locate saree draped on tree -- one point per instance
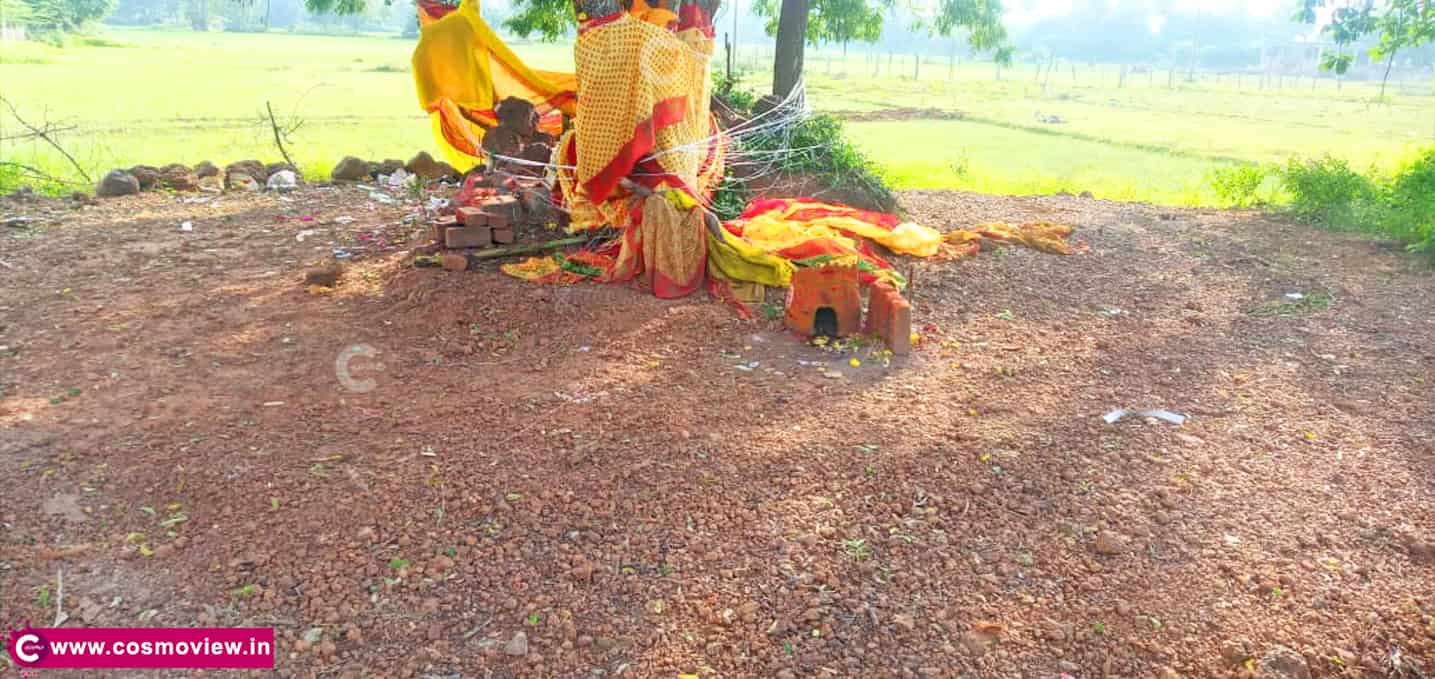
(643, 116)
(462, 70)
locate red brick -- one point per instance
(833, 287)
(472, 216)
(455, 262)
(879, 307)
(498, 220)
(503, 235)
(468, 237)
(899, 327)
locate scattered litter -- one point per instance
(399, 178)
(341, 253)
(283, 181)
(1164, 415)
(380, 198)
(303, 234)
(435, 203)
(1295, 296)
(273, 404)
(585, 349)
(186, 226)
(748, 367)
(344, 220)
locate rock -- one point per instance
(327, 276)
(240, 181)
(1068, 667)
(147, 175)
(423, 165)
(1233, 652)
(1283, 662)
(313, 635)
(274, 168)
(450, 172)
(389, 166)
(117, 183)
(517, 646)
(212, 184)
(1087, 194)
(904, 621)
(206, 169)
(283, 181)
(253, 168)
(518, 115)
(350, 169)
(502, 141)
(1420, 550)
(1109, 543)
(178, 178)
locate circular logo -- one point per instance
(346, 377)
(28, 648)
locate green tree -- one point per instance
(1396, 25)
(833, 21)
(65, 15)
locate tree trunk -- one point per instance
(791, 39)
(1388, 63)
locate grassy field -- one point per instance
(156, 97)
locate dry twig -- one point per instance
(45, 133)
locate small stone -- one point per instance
(147, 175)
(1164, 672)
(327, 276)
(1284, 663)
(117, 183)
(423, 165)
(905, 621)
(1233, 652)
(239, 181)
(283, 181)
(206, 169)
(1068, 667)
(313, 635)
(350, 169)
(1109, 543)
(517, 646)
(786, 674)
(178, 177)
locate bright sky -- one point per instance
(1026, 11)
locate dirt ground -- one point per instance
(646, 488)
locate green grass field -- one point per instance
(161, 97)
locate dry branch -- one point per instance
(44, 132)
(280, 134)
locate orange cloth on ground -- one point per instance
(462, 70)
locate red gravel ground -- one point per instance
(648, 488)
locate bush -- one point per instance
(1328, 193)
(1237, 185)
(1411, 202)
(815, 146)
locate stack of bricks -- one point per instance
(489, 223)
(889, 316)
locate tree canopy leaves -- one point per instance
(1397, 24)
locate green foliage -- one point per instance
(832, 21)
(1327, 192)
(550, 19)
(61, 16)
(1237, 185)
(816, 147)
(731, 92)
(1398, 205)
(1397, 24)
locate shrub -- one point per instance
(1400, 205)
(1237, 185)
(815, 146)
(1327, 192)
(1411, 202)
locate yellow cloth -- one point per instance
(772, 231)
(657, 16)
(462, 70)
(738, 260)
(631, 73)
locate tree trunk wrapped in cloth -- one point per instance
(643, 121)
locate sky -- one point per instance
(1021, 12)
